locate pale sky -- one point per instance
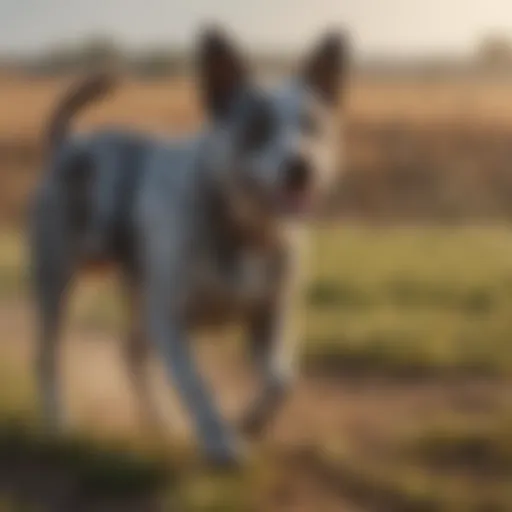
(378, 26)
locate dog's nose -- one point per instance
(298, 173)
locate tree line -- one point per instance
(99, 51)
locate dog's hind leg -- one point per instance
(136, 352)
(52, 266)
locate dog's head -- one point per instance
(281, 143)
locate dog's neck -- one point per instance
(233, 218)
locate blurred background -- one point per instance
(405, 397)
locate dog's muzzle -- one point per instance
(297, 175)
(296, 194)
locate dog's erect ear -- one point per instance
(325, 69)
(222, 71)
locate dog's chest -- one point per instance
(226, 289)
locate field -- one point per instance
(414, 149)
(404, 402)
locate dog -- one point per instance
(213, 222)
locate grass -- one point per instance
(13, 265)
(106, 469)
(38, 471)
(425, 302)
(398, 300)
(403, 487)
(482, 448)
(440, 468)
(427, 299)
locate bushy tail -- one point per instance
(92, 88)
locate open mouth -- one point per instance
(296, 195)
(296, 201)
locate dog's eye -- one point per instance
(258, 129)
(308, 124)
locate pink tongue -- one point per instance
(297, 202)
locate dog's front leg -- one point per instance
(273, 333)
(272, 343)
(165, 283)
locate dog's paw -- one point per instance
(227, 459)
(263, 411)
(225, 462)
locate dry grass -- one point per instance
(485, 104)
(163, 104)
(27, 103)
(414, 149)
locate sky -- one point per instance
(378, 27)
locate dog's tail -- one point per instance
(92, 88)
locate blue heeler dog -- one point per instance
(203, 229)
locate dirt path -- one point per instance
(97, 387)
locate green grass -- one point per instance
(483, 448)
(77, 469)
(13, 266)
(427, 299)
(425, 302)
(444, 467)
(401, 486)
(408, 300)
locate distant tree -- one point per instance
(98, 51)
(54, 61)
(92, 53)
(495, 51)
(102, 52)
(159, 62)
